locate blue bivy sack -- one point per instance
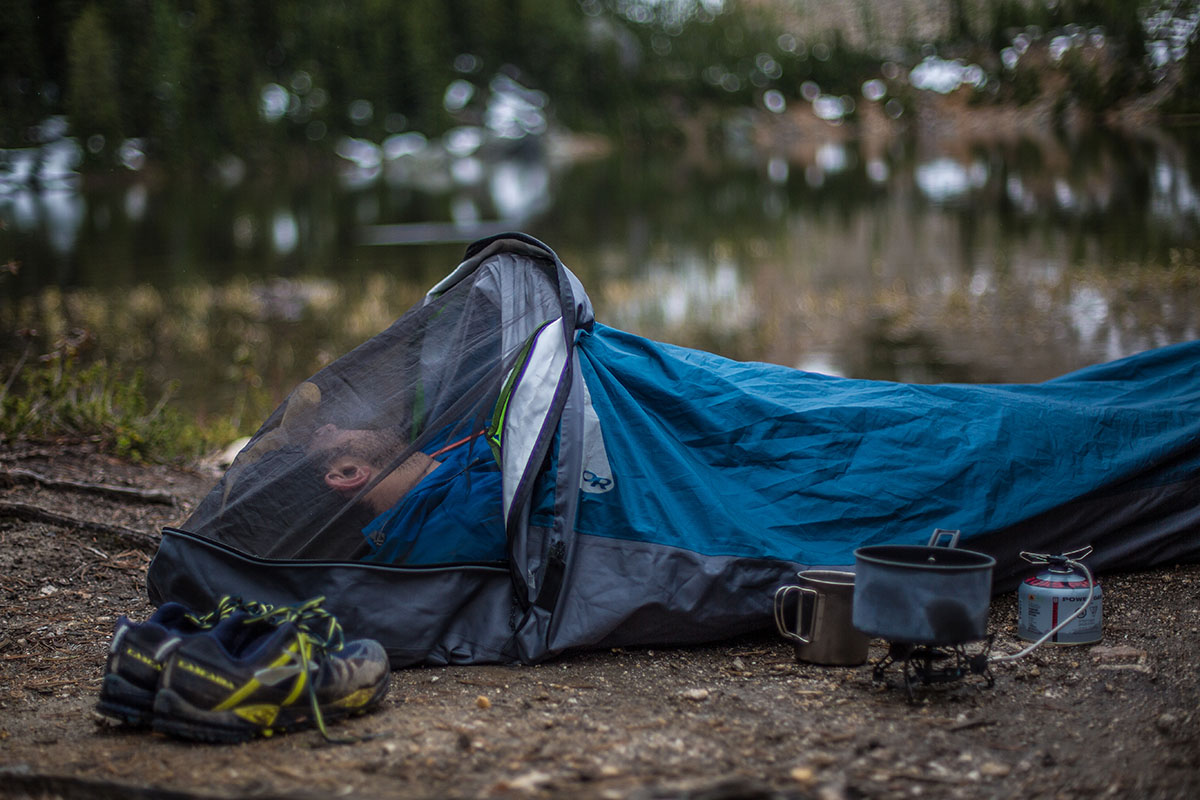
(498, 477)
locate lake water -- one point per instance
(987, 264)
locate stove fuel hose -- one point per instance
(1038, 558)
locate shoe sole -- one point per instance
(176, 717)
(124, 702)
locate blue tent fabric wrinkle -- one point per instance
(842, 463)
(645, 493)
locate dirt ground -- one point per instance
(736, 719)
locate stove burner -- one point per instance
(924, 665)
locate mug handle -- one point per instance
(781, 596)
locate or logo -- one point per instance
(597, 472)
(595, 483)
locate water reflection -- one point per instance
(285, 233)
(1101, 201)
(1008, 262)
(945, 76)
(944, 179)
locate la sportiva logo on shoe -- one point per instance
(138, 655)
(201, 672)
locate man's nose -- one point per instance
(326, 430)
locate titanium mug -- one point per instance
(823, 632)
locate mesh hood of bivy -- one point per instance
(434, 375)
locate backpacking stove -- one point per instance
(924, 665)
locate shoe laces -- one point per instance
(227, 606)
(317, 633)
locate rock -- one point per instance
(698, 695)
(1108, 654)
(226, 456)
(831, 792)
(803, 775)
(994, 769)
(1166, 722)
(483, 702)
(529, 782)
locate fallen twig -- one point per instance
(484, 684)
(46, 686)
(947, 781)
(147, 495)
(1127, 667)
(973, 723)
(33, 513)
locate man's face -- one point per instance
(349, 457)
(352, 458)
(377, 447)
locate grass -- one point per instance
(56, 396)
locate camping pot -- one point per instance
(931, 595)
(823, 632)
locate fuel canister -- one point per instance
(1056, 592)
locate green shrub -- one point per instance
(56, 397)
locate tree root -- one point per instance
(125, 492)
(32, 513)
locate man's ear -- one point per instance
(347, 476)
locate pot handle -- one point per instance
(938, 533)
(781, 596)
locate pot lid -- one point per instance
(923, 557)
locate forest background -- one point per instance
(193, 80)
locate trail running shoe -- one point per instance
(138, 651)
(299, 674)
